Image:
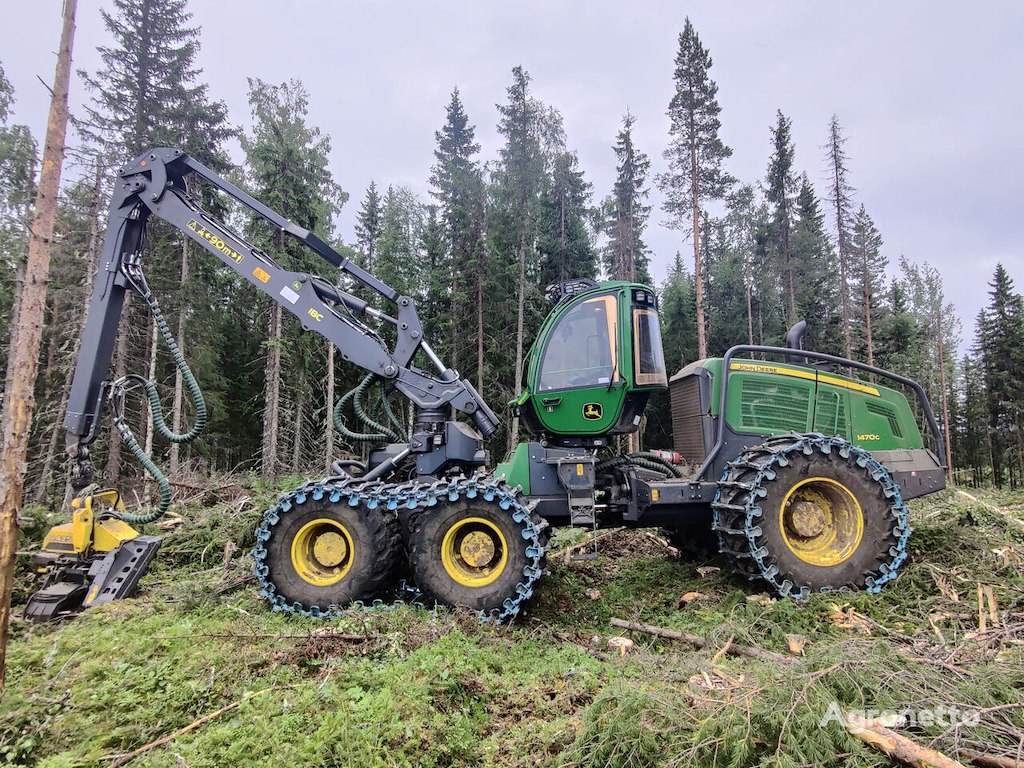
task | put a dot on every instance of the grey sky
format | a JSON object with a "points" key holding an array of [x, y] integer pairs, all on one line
{"points": [[929, 95]]}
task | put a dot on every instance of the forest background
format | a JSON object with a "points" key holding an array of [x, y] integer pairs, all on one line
{"points": [[494, 227]]}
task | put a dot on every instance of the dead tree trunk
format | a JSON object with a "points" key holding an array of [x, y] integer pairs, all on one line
{"points": [[513, 435], [272, 394], [178, 383], [329, 444], [23, 359]]}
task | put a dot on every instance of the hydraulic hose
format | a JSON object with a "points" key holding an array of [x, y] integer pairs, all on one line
{"points": [[357, 405], [339, 422], [156, 409]]}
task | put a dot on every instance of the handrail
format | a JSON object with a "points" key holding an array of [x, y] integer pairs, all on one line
{"points": [[739, 349]]}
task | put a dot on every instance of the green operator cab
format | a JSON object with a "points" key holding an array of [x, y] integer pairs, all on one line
{"points": [[597, 359]]}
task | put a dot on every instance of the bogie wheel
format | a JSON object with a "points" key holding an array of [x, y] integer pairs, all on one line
{"points": [[809, 513], [322, 554], [476, 552]]}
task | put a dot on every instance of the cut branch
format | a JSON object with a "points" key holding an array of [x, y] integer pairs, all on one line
{"points": [[733, 649]]}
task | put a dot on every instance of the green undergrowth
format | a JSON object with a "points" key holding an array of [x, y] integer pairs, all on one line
{"points": [[409, 687]]}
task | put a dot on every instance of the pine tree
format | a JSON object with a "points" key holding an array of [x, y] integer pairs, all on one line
{"points": [[625, 255], [368, 225], [781, 192], [840, 195], [695, 154], [866, 275], [287, 162]]}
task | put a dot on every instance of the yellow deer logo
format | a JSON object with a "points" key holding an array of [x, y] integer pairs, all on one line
{"points": [[592, 411]]}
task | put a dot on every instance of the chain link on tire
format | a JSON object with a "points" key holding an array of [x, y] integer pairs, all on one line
{"points": [[738, 517], [405, 501]]}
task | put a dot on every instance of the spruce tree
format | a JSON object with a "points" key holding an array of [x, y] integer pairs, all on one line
{"points": [[816, 284], [999, 347], [18, 162], [866, 275], [840, 195], [781, 188], [565, 243], [368, 225], [287, 161], [457, 184], [518, 181], [146, 94], [695, 153], [626, 255]]}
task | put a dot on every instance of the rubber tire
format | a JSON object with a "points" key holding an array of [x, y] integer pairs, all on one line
{"points": [[426, 533], [875, 542], [376, 539]]}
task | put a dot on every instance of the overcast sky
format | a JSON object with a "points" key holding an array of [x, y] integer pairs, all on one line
{"points": [[930, 95]]}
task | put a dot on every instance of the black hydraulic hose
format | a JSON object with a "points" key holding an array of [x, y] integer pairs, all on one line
{"points": [[658, 466], [676, 471]]}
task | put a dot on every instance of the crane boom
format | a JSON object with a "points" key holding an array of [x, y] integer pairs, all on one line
{"points": [[154, 185]]}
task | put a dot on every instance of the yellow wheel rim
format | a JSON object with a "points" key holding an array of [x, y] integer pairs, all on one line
{"points": [[322, 552], [474, 552], [821, 521]]}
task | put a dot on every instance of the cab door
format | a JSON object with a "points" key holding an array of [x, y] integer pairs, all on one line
{"points": [[577, 388]]}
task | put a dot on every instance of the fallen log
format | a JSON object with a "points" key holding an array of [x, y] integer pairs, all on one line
{"points": [[896, 746], [733, 649]]}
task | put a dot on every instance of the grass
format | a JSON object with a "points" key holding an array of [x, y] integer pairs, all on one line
{"points": [[408, 687]]}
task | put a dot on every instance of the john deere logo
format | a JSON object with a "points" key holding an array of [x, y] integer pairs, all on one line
{"points": [[592, 411]]}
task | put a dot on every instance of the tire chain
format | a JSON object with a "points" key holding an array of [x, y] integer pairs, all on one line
{"points": [[736, 512], [414, 498]]}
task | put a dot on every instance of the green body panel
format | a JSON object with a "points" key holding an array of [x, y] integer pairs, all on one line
{"points": [[517, 469], [588, 399], [775, 398]]}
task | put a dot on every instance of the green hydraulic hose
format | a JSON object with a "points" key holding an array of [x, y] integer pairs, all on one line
{"points": [[339, 422], [158, 418], [385, 401], [357, 405]]}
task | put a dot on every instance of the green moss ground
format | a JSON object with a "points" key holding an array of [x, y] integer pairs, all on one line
{"points": [[407, 687]]}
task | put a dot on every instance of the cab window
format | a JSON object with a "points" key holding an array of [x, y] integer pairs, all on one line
{"points": [[648, 354], [581, 351]]}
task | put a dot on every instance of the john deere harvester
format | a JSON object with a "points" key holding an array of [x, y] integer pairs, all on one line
{"points": [[800, 463]]}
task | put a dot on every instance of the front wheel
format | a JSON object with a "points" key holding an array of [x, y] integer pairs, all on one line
{"points": [[809, 513]]}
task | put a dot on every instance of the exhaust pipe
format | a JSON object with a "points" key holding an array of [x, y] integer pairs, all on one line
{"points": [[794, 340]]}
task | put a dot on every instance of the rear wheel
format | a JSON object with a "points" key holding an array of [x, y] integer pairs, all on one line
{"points": [[808, 513], [476, 552], [322, 553]]}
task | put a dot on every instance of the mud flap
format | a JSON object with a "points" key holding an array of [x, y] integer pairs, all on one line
{"points": [[117, 574]]}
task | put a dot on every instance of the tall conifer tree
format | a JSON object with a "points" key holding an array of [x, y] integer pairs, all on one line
{"points": [[626, 255], [695, 153]]}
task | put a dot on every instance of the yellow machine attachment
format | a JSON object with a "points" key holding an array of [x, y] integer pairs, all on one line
{"points": [[95, 558]]}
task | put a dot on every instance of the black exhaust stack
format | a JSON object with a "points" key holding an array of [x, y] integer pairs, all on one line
{"points": [[795, 340]]}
